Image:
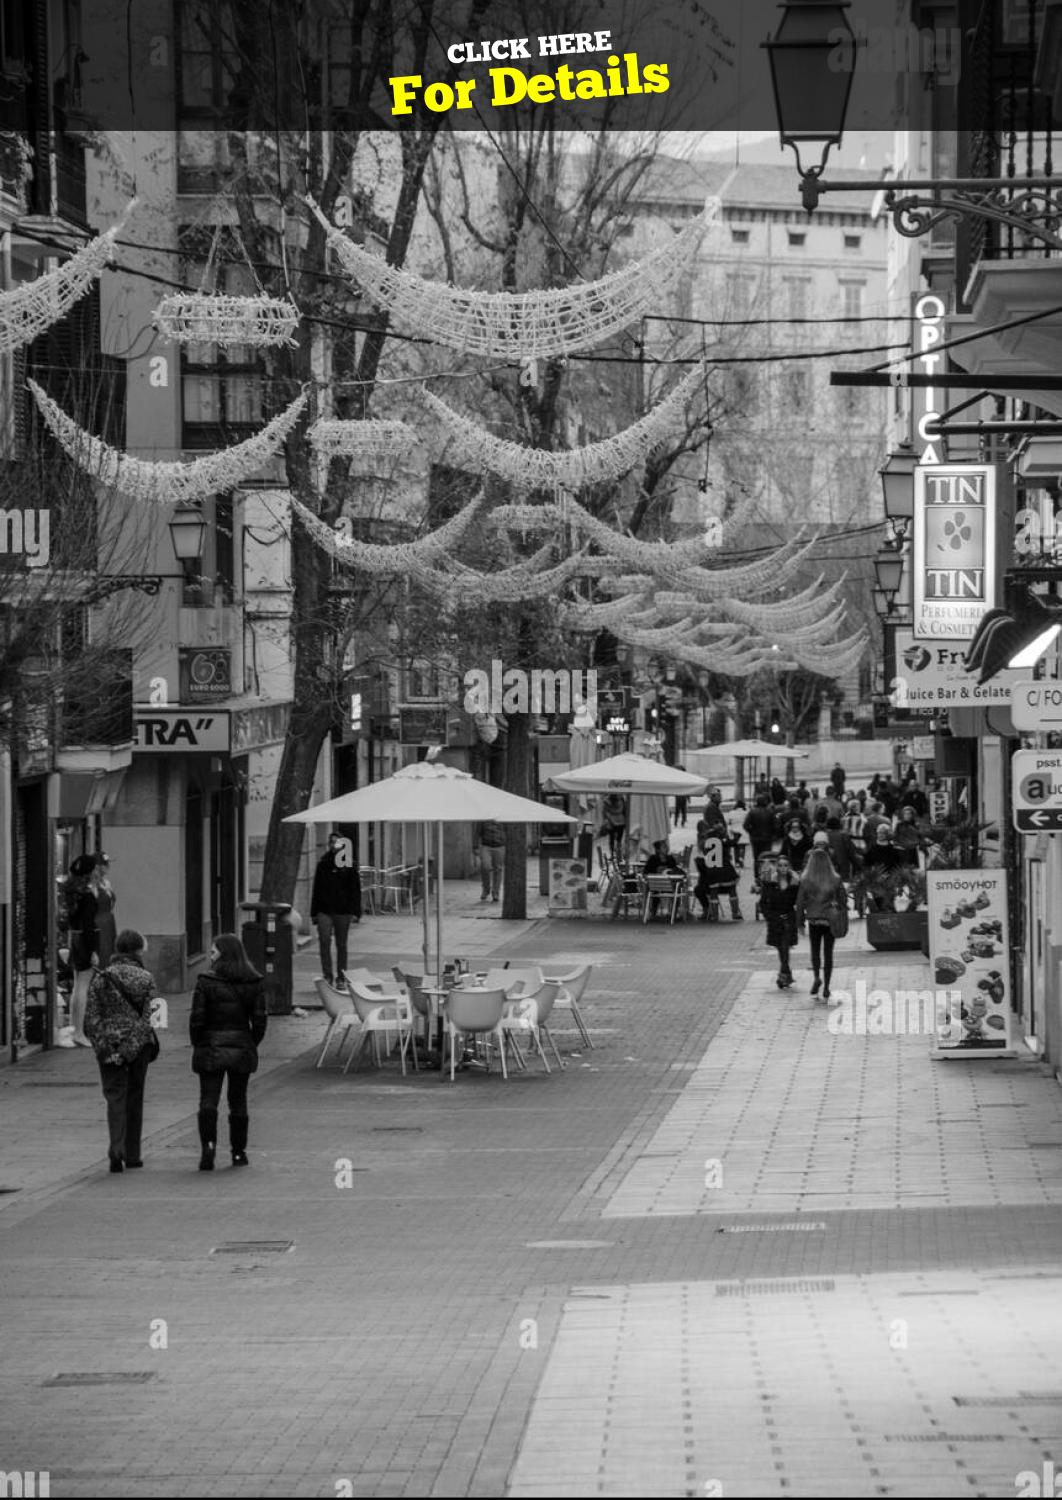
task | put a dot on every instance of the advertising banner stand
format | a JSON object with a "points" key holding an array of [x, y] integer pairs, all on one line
{"points": [[567, 887], [969, 953]]}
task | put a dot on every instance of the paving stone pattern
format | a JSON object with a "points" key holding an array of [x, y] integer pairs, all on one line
{"points": [[526, 1287]]}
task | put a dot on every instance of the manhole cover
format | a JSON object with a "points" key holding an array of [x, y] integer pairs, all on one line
{"points": [[397, 1130], [102, 1377], [254, 1247]]}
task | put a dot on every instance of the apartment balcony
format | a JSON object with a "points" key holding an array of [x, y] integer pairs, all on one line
{"points": [[1001, 291]]}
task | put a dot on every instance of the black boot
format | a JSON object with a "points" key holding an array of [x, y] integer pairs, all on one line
{"points": [[735, 910], [208, 1134], [817, 985], [238, 1125]]}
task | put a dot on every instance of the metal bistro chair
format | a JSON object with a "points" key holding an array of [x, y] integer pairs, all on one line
{"points": [[627, 893], [369, 881], [395, 886], [666, 891]]}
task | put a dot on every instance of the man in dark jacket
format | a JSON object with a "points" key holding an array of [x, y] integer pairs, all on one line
{"points": [[759, 825], [335, 903]]}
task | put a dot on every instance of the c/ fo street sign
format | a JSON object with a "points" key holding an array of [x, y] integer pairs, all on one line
{"points": [[1036, 784]]}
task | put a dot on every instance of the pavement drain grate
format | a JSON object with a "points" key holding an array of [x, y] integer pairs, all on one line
{"points": [[569, 1244], [254, 1247], [102, 1377], [1043, 1145], [57, 1083], [772, 1288], [816, 1226], [398, 1130], [1023, 1398]]}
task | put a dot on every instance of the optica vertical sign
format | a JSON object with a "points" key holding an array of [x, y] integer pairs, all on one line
{"points": [[954, 549]]}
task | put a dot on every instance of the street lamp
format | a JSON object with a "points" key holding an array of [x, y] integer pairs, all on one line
{"points": [[897, 487], [812, 58], [888, 566], [188, 533]]}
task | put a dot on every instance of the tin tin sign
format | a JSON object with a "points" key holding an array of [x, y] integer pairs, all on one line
{"points": [[954, 549], [930, 674]]}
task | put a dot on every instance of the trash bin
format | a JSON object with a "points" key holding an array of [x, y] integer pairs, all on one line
{"points": [[550, 848], [269, 938]]}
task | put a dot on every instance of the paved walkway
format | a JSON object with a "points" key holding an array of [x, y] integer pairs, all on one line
{"points": [[727, 1251]]}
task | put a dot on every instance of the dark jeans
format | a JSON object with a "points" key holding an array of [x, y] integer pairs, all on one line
{"points": [[327, 924], [123, 1089], [821, 948], [783, 956], [210, 1091]]}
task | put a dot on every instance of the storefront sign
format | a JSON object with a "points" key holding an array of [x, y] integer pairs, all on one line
{"points": [[1036, 705], [205, 674], [175, 731], [931, 676], [1036, 786], [954, 549], [254, 728], [968, 954], [929, 312], [567, 885]]}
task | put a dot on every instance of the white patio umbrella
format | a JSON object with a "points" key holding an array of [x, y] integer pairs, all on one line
{"points": [[647, 822], [634, 776], [428, 793]]}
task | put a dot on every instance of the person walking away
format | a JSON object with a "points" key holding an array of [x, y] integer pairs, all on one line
{"points": [[796, 844], [118, 1025], [227, 1023], [490, 838], [842, 855], [778, 796], [713, 823], [820, 889], [914, 797], [778, 895], [335, 902], [759, 825], [872, 821], [106, 903], [681, 805], [837, 779], [735, 822], [79, 915], [614, 811]]}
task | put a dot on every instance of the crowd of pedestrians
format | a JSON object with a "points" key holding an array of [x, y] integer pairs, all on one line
{"points": [[809, 848]]}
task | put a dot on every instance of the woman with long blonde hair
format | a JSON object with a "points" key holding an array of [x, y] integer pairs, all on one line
{"points": [[820, 889]]}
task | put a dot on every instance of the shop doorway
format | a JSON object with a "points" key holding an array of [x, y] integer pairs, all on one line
{"points": [[226, 810], [193, 870]]}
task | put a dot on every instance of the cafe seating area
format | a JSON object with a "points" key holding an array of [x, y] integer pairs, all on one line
{"points": [[462, 1023]]}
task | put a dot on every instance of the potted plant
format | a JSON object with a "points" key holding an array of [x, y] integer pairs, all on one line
{"points": [[895, 902]]}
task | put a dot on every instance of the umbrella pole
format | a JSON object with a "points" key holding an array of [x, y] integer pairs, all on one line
{"points": [[425, 844], [438, 901]]}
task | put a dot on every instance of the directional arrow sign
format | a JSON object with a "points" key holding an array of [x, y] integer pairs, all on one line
{"points": [[1045, 820], [1036, 784]]}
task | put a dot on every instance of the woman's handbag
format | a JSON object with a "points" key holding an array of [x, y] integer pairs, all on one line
{"points": [[154, 1046], [838, 916]]}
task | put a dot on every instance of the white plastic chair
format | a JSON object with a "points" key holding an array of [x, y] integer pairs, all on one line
{"points": [[475, 1012], [341, 1013], [388, 1014], [530, 1014], [571, 990]]}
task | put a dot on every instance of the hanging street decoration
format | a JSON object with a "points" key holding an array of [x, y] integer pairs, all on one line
{"points": [[395, 560], [543, 468], [334, 438], [520, 325], [165, 482], [217, 318], [27, 310]]}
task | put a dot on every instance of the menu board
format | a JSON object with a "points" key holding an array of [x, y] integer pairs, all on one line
{"points": [[567, 885], [969, 953]]}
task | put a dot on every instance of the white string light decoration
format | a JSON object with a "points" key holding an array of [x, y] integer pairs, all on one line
{"points": [[543, 468], [218, 318], [332, 437], [26, 311], [520, 325], [394, 560], [166, 482]]}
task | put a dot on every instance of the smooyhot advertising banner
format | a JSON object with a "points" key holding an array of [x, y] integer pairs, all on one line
{"points": [[378, 65], [968, 948]]}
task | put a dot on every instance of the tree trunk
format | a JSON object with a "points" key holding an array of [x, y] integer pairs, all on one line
{"points": [[517, 769]]}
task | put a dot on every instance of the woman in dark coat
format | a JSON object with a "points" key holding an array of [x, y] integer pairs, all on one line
{"points": [[228, 1021], [778, 896]]}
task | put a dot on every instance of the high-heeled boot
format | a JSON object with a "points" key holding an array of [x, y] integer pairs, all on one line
{"points": [[238, 1126], [208, 1135]]}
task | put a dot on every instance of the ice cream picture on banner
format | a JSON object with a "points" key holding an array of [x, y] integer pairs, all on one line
{"points": [[969, 954]]}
